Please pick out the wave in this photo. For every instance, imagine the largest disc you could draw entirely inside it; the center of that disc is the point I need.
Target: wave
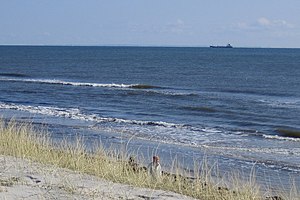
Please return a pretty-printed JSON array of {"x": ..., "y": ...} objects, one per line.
[
  {"x": 281, "y": 103},
  {"x": 277, "y": 137},
  {"x": 199, "y": 108},
  {"x": 75, "y": 113},
  {"x": 13, "y": 75},
  {"x": 141, "y": 87},
  {"x": 170, "y": 93},
  {"x": 253, "y": 92},
  {"x": 289, "y": 133},
  {"x": 60, "y": 82},
  {"x": 161, "y": 131}
]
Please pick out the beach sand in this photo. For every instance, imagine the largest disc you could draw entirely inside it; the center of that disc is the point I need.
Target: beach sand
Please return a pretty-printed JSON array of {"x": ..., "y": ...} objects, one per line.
[{"x": 24, "y": 179}]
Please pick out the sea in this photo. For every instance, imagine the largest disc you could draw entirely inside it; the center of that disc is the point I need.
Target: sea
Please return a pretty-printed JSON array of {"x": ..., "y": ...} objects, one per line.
[{"x": 239, "y": 108}]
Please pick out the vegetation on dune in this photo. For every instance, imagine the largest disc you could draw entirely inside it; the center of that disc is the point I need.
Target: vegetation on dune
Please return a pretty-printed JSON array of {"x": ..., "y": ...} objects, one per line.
[{"x": 21, "y": 140}]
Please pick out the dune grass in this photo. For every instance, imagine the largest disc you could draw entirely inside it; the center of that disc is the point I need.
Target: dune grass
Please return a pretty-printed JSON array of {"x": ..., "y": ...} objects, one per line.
[{"x": 21, "y": 140}]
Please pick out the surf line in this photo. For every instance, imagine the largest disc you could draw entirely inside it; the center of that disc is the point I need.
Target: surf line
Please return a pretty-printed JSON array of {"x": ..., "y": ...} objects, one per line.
[
  {"x": 75, "y": 113},
  {"x": 60, "y": 82}
]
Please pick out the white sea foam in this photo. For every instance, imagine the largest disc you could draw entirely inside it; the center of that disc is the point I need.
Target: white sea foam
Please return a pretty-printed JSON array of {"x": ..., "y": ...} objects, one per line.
[
  {"x": 172, "y": 93},
  {"x": 281, "y": 103},
  {"x": 281, "y": 138},
  {"x": 211, "y": 130},
  {"x": 146, "y": 88},
  {"x": 75, "y": 113},
  {"x": 154, "y": 130},
  {"x": 60, "y": 82}
]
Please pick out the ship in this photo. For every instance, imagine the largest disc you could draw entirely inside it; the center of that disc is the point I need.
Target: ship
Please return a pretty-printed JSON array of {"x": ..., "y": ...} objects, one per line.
[{"x": 227, "y": 46}]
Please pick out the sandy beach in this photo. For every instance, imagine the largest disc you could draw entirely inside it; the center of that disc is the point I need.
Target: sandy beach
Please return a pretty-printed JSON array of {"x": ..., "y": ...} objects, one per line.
[{"x": 24, "y": 179}]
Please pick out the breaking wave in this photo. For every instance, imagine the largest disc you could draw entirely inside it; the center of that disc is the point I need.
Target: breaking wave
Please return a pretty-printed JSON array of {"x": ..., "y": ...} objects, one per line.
[
  {"x": 75, "y": 113},
  {"x": 60, "y": 82},
  {"x": 148, "y": 89},
  {"x": 155, "y": 130},
  {"x": 293, "y": 133},
  {"x": 277, "y": 137},
  {"x": 13, "y": 75}
]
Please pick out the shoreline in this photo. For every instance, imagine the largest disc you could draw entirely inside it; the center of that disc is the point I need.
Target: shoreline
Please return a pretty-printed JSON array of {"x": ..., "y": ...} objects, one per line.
[
  {"x": 19, "y": 140},
  {"x": 270, "y": 179}
]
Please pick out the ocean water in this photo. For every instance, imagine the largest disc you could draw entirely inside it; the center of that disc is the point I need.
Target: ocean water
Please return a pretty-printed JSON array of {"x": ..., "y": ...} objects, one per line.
[{"x": 239, "y": 106}]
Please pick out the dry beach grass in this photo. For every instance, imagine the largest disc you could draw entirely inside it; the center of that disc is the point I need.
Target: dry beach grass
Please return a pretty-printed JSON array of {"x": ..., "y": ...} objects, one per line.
[{"x": 33, "y": 149}]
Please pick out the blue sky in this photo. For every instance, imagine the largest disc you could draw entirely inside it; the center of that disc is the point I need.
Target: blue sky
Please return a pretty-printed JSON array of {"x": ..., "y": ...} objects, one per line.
[{"x": 243, "y": 23}]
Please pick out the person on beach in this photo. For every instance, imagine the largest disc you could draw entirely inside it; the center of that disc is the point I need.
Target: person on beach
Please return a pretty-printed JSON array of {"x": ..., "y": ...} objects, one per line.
[
  {"x": 154, "y": 168},
  {"x": 133, "y": 164}
]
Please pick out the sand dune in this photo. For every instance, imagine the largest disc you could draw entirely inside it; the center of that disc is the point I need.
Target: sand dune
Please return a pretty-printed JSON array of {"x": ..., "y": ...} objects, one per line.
[{"x": 24, "y": 179}]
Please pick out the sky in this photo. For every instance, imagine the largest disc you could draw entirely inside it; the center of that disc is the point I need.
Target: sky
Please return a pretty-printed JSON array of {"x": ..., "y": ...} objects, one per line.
[{"x": 242, "y": 23}]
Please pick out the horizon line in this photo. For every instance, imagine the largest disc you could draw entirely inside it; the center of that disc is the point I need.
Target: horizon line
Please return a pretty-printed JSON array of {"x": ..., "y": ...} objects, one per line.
[{"x": 131, "y": 45}]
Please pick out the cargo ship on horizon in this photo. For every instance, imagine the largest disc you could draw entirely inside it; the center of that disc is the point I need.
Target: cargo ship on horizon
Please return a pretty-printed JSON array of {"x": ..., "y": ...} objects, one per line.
[{"x": 227, "y": 46}]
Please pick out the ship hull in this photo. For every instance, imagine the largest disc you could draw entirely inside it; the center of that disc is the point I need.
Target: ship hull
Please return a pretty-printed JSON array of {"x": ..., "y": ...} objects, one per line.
[{"x": 227, "y": 47}]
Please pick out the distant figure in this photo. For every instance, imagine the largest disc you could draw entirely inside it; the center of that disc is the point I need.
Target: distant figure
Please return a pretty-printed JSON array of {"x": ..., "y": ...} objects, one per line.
[
  {"x": 154, "y": 168},
  {"x": 133, "y": 164}
]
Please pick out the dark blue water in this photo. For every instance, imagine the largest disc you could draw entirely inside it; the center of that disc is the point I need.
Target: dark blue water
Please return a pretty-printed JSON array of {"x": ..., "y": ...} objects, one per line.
[{"x": 235, "y": 103}]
